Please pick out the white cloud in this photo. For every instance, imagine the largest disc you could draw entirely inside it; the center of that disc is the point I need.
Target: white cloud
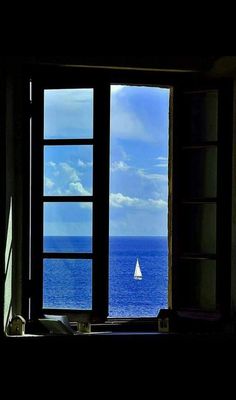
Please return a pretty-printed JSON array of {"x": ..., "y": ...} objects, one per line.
[
  {"x": 158, "y": 203},
  {"x": 70, "y": 171},
  {"x": 68, "y": 112},
  {"x": 81, "y": 163},
  {"x": 161, "y": 165},
  {"x": 136, "y": 116},
  {"x": 152, "y": 177},
  {"x": 118, "y": 200},
  {"x": 77, "y": 188},
  {"x": 84, "y": 164},
  {"x": 49, "y": 183},
  {"x": 51, "y": 164},
  {"x": 162, "y": 158},
  {"x": 116, "y": 88},
  {"x": 124, "y": 154},
  {"x": 119, "y": 166},
  {"x": 68, "y": 98},
  {"x": 67, "y": 180},
  {"x": 125, "y": 123}
]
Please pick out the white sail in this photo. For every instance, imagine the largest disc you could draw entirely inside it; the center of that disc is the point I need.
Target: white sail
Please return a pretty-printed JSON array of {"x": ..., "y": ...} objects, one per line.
[{"x": 137, "y": 272}]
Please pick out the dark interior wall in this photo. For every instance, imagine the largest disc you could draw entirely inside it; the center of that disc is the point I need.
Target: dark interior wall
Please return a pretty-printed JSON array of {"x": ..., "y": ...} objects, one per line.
[
  {"x": 2, "y": 186},
  {"x": 10, "y": 300},
  {"x": 233, "y": 255},
  {"x": 176, "y": 63},
  {"x": 9, "y": 191},
  {"x": 14, "y": 149}
]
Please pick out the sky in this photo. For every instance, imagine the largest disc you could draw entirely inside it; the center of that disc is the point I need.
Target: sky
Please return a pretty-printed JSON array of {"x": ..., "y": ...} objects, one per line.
[{"x": 138, "y": 161}]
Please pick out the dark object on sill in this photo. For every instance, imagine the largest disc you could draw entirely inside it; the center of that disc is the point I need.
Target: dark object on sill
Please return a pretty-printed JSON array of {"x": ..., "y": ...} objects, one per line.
[
  {"x": 189, "y": 321},
  {"x": 126, "y": 325},
  {"x": 57, "y": 325},
  {"x": 195, "y": 320},
  {"x": 165, "y": 320},
  {"x": 35, "y": 327}
]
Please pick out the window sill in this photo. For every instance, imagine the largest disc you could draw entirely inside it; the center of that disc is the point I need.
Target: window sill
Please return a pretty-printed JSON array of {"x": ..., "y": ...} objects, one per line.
[
  {"x": 151, "y": 337},
  {"x": 188, "y": 325}
]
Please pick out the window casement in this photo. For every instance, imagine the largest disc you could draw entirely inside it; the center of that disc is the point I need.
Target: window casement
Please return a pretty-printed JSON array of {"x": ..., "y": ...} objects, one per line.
[
  {"x": 201, "y": 234},
  {"x": 92, "y": 257},
  {"x": 199, "y": 191}
]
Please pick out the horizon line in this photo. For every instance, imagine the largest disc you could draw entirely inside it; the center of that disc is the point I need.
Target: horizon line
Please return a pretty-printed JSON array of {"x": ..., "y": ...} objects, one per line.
[{"x": 109, "y": 236}]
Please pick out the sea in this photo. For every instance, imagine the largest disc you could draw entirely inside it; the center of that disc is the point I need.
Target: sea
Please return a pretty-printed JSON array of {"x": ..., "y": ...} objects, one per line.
[{"x": 67, "y": 284}]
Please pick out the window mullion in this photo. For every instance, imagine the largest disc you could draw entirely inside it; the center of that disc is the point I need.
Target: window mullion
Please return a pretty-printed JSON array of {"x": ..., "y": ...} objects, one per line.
[
  {"x": 66, "y": 142},
  {"x": 101, "y": 200},
  {"x": 67, "y": 199},
  {"x": 63, "y": 255}
]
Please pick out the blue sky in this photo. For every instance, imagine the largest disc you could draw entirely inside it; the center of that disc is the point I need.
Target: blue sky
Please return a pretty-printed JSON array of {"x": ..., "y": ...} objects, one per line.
[{"x": 138, "y": 161}]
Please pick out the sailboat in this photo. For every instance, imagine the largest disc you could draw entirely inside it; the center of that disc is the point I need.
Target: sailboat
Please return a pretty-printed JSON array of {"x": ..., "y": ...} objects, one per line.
[{"x": 138, "y": 273}]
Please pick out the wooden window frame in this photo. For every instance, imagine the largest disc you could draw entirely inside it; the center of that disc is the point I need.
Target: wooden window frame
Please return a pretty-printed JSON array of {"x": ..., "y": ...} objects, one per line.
[
  {"x": 222, "y": 201},
  {"x": 100, "y": 154},
  {"x": 101, "y": 80}
]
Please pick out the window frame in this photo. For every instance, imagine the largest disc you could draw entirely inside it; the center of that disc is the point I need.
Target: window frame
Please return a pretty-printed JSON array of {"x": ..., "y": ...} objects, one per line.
[{"x": 102, "y": 79}]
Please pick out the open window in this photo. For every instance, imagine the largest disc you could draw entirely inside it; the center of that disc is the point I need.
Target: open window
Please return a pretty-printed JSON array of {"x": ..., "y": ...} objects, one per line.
[{"x": 71, "y": 189}]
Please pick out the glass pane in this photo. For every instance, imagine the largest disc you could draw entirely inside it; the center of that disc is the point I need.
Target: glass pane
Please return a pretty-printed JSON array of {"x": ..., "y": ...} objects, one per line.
[
  {"x": 199, "y": 171},
  {"x": 201, "y": 116},
  {"x": 138, "y": 259},
  {"x": 68, "y": 170},
  {"x": 68, "y": 113},
  {"x": 197, "y": 284},
  {"x": 67, "y": 284},
  {"x": 199, "y": 228},
  {"x": 68, "y": 227}
]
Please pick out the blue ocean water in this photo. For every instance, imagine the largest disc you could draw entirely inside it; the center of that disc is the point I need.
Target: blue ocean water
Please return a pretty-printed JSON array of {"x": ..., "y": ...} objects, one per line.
[{"x": 68, "y": 283}]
